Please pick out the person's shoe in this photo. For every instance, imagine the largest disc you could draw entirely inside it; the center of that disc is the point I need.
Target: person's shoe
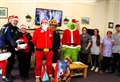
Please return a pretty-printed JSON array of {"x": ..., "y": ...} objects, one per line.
[
  {"x": 92, "y": 69},
  {"x": 97, "y": 69},
  {"x": 107, "y": 71},
  {"x": 101, "y": 71},
  {"x": 12, "y": 77},
  {"x": 6, "y": 79}
]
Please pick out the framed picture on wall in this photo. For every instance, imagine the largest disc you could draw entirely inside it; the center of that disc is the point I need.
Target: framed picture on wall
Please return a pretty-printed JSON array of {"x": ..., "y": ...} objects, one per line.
[
  {"x": 85, "y": 20},
  {"x": 110, "y": 24},
  {"x": 3, "y": 12}
]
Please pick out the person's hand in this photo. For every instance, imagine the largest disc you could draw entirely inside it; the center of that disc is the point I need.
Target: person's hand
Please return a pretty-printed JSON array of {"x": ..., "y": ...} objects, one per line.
[
  {"x": 101, "y": 51},
  {"x": 86, "y": 48},
  {"x": 78, "y": 49},
  {"x": 17, "y": 48},
  {"x": 119, "y": 52},
  {"x": 0, "y": 51},
  {"x": 64, "y": 47},
  {"x": 33, "y": 53},
  {"x": 58, "y": 50}
]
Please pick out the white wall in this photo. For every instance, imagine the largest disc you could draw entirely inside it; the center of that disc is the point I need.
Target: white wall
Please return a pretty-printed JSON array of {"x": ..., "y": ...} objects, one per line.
[
  {"x": 99, "y": 12},
  {"x": 71, "y": 10}
]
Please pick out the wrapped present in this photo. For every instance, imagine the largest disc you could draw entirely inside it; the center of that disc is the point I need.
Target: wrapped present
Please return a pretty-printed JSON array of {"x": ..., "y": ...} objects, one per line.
[{"x": 63, "y": 71}]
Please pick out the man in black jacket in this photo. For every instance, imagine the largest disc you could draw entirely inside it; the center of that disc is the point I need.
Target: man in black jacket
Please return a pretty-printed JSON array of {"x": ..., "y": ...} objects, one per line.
[
  {"x": 11, "y": 35},
  {"x": 56, "y": 40}
]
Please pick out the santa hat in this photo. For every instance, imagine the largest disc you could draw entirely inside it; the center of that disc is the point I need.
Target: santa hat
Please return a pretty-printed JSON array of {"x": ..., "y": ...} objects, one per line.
[
  {"x": 43, "y": 21},
  {"x": 14, "y": 18},
  {"x": 74, "y": 21}
]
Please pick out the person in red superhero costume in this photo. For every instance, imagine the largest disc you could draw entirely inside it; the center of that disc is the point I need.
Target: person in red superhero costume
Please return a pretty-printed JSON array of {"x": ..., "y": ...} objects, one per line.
[{"x": 42, "y": 40}]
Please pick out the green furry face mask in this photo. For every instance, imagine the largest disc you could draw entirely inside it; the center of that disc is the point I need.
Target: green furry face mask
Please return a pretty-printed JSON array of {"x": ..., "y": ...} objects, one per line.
[{"x": 71, "y": 26}]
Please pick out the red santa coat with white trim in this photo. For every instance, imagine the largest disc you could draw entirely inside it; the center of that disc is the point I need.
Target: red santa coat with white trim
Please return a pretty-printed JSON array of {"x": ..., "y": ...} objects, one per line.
[
  {"x": 66, "y": 39},
  {"x": 43, "y": 39}
]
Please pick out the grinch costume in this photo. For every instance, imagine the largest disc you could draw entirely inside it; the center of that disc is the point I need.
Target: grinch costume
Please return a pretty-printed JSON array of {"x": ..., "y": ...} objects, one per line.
[{"x": 71, "y": 42}]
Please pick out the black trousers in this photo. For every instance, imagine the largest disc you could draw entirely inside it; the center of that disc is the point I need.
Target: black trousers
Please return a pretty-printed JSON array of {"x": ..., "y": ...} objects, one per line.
[
  {"x": 106, "y": 64},
  {"x": 116, "y": 62},
  {"x": 95, "y": 60},
  {"x": 84, "y": 58},
  {"x": 24, "y": 59},
  {"x": 10, "y": 65},
  {"x": 55, "y": 56}
]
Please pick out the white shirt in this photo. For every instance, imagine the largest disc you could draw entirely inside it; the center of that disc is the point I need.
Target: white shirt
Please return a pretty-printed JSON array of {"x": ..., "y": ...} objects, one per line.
[
  {"x": 116, "y": 46},
  {"x": 71, "y": 36},
  {"x": 95, "y": 49}
]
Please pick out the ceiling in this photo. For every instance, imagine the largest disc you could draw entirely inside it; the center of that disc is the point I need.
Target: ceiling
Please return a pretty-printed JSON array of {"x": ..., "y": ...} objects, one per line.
[
  {"x": 52, "y": 1},
  {"x": 73, "y": 1}
]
